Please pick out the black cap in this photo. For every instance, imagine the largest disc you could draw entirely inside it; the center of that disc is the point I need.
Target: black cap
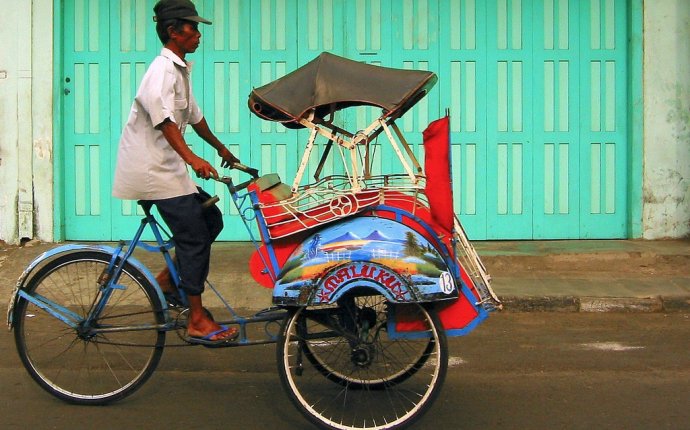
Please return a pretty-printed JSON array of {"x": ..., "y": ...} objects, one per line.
[{"x": 182, "y": 9}]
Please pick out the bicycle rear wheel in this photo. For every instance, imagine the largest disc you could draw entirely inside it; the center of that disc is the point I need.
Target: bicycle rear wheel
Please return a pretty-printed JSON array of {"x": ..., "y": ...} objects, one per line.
[
  {"x": 94, "y": 363},
  {"x": 374, "y": 378}
]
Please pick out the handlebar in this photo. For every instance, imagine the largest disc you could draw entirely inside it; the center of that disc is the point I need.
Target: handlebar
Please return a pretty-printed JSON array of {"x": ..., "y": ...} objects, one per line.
[
  {"x": 227, "y": 181},
  {"x": 246, "y": 169}
]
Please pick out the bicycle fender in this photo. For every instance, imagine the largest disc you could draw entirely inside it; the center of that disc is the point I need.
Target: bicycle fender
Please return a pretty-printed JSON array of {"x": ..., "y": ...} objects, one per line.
[
  {"x": 67, "y": 249},
  {"x": 376, "y": 253}
]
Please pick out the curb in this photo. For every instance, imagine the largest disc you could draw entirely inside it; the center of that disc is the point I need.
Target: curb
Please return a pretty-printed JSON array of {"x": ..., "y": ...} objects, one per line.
[
  {"x": 676, "y": 304},
  {"x": 621, "y": 304},
  {"x": 596, "y": 304},
  {"x": 540, "y": 303}
]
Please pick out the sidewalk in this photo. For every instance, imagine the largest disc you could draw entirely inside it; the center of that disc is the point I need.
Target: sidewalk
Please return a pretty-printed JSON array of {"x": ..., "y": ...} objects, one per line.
[
  {"x": 562, "y": 276},
  {"x": 591, "y": 275}
]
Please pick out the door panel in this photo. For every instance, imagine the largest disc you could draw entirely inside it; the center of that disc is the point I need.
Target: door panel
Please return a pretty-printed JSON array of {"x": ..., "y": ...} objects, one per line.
[
  {"x": 557, "y": 133},
  {"x": 603, "y": 152},
  {"x": 509, "y": 120},
  {"x": 86, "y": 122}
]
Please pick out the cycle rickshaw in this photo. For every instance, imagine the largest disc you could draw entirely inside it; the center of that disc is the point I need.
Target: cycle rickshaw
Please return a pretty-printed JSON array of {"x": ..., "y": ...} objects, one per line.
[{"x": 371, "y": 272}]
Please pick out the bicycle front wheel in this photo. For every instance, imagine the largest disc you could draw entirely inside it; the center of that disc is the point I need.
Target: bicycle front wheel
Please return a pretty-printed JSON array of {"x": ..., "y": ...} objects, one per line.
[
  {"x": 345, "y": 373},
  {"x": 98, "y": 361}
]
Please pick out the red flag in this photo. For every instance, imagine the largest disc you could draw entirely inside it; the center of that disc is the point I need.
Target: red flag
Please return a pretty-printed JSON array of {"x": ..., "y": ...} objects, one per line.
[{"x": 439, "y": 190}]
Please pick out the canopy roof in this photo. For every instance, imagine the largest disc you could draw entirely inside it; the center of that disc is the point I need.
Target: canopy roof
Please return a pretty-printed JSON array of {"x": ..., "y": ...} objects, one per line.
[{"x": 330, "y": 83}]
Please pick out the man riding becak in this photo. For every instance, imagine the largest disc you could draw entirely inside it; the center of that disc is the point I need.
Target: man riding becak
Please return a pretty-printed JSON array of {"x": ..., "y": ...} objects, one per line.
[{"x": 153, "y": 156}]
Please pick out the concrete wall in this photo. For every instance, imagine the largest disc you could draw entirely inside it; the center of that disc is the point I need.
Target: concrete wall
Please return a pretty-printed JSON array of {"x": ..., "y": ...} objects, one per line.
[
  {"x": 26, "y": 115},
  {"x": 666, "y": 206}
]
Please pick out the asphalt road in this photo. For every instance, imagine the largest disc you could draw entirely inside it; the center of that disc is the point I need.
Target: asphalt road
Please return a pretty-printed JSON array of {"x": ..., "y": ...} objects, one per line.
[{"x": 516, "y": 371}]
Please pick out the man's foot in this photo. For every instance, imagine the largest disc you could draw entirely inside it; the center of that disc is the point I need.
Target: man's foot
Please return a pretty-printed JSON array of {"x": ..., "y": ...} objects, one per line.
[
  {"x": 218, "y": 338},
  {"x": 206, "y": 327},
  {"x": 203, "y": 330}
]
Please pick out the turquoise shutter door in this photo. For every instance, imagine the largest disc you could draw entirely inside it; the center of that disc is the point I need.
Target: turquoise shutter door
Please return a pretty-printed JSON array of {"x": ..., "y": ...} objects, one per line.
[
  {"x": 86, "y": 126},
  {"x": 581, "y": 143},
  {"x": 537, "y": 91}
]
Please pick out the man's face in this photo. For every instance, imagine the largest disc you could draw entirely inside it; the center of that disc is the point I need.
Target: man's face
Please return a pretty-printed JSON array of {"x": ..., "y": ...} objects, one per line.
[{"x": 188, "y": 39}]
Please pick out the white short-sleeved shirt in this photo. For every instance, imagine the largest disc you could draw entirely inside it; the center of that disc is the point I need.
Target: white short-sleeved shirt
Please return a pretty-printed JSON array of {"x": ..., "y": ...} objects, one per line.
[{"x": 148, "y": 168}]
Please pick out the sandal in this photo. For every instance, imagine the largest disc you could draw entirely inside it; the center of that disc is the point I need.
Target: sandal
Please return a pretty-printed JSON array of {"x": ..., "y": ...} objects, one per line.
[{"x": 207, "y": 342}]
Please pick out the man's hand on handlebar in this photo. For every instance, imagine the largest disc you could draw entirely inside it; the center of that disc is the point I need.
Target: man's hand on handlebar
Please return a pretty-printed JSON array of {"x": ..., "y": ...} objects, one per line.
[
  {"x": 203, "y": 168},
  {"x": 228, "y": 159}
]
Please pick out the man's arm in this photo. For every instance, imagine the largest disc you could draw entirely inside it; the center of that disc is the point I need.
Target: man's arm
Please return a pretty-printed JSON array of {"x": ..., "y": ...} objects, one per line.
[
  {"x": 172, "y": 134},
  {"x": 202, "y": 129}
]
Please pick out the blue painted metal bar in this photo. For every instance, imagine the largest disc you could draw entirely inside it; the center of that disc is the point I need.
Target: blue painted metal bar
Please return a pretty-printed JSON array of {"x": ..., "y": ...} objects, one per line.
[{"x": 63, "y": 314}]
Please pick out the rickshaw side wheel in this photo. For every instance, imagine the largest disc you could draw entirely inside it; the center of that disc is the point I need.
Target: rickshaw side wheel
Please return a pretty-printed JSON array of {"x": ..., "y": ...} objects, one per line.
[
  {"x": 372, "y": 310},
  {"x": 383, "y": 378}
]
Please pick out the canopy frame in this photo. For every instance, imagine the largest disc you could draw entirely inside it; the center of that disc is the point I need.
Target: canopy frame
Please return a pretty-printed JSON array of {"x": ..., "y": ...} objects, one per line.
[{"x": 355, "y": 168}]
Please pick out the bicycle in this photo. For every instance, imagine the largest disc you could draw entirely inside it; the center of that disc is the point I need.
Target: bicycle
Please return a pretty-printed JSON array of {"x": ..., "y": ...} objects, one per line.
[{"x": 367, "y": 287}]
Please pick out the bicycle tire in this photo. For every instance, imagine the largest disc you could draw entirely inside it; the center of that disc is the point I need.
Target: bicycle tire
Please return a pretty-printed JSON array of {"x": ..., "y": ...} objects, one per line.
[
  {"x": 396, "y": 370},
  {"x": 356, "y": 402},
  {"x": 96, "y": 368}
]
